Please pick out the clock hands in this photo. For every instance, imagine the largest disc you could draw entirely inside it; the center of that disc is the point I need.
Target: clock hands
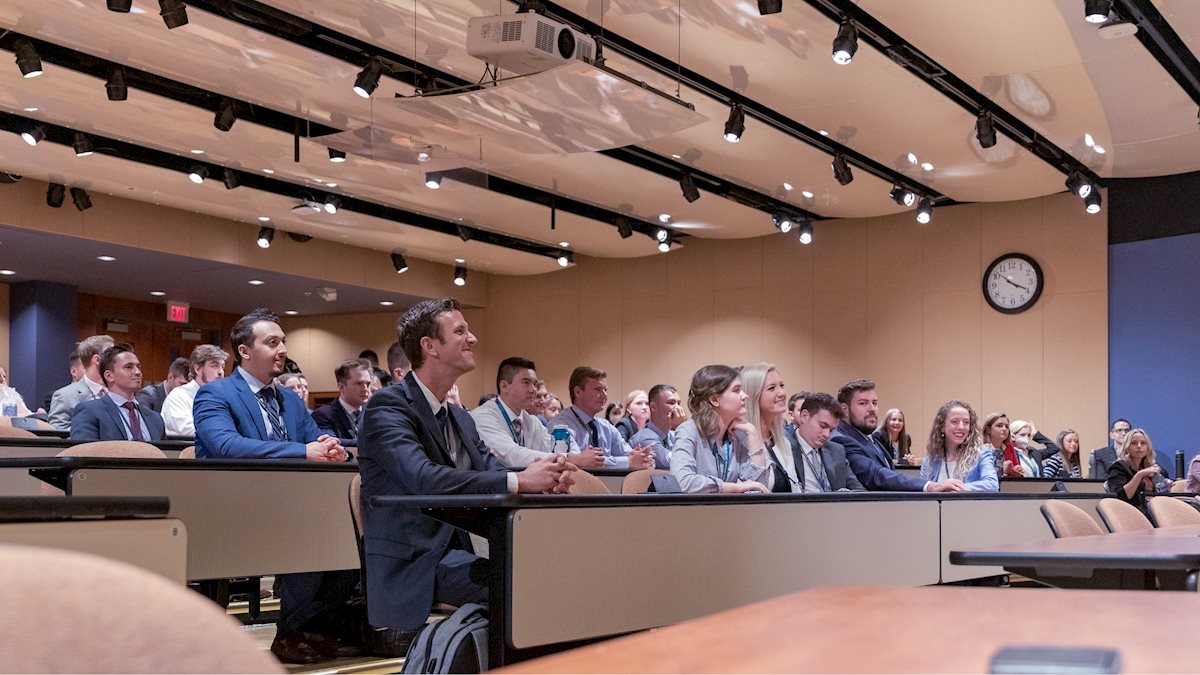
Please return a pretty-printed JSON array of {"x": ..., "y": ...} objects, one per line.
[{"x": 1016, "y": 284}]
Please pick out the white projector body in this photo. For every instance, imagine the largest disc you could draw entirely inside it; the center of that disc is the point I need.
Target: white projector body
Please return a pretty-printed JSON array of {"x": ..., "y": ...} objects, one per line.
[{"x": 526, "y": 43}]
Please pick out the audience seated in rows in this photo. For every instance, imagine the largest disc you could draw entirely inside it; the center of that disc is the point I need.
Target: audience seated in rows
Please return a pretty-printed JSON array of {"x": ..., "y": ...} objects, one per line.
[
  {"x": 1065, "y": 463},
  {"x": 955, "y": 452},
  {"x": 1103, "y": 458},
  {"x": 666, "y": 414},
  {"x": 89, "y": 386},
  {"x": 340, "y": 416},
  {"x": 152, "y": 396},
  {"x": 207, "y": 363},
  {"x": 893, "y": 435},
  {"x": 1136, "y": 472},
  {"x": 297, "y": 382},
  {"x": 116, "y": 415},
  {"x": 819, "y": 464},
  {"x": 589, "y": 393},
  {"x": 637, "y": 411}
]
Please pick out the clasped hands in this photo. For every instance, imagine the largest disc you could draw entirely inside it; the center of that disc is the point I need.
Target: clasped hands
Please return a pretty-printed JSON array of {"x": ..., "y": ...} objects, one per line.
[{"x": 325, "y": 449}]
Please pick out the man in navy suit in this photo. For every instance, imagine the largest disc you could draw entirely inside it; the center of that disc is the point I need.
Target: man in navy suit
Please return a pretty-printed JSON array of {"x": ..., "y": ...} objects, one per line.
[
  {"x": 116, "y": 415},
  {"x": 340, "y": 417},
  {"x": 246, "y": 416},
  {"x": 414, "y": 442},
  {"x": 871, "y": 463}
]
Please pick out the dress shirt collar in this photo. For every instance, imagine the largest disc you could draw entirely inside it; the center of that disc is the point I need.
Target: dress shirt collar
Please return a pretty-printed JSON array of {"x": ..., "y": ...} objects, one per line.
[
  {"x": 255, "y": 385},
  {"x": 509, "y": 411},
  {"x": 119, "y": 399},
  {"x": 804, "y": 446},
  {"x": 662, "y": 435},
  {"x": 191, "y": 385},
  {"x": 434, "y": 404},
  {"x": 581, "y": 416},
  {"x": 92, "y": 386},
  {"x": 350, "y": 410}
]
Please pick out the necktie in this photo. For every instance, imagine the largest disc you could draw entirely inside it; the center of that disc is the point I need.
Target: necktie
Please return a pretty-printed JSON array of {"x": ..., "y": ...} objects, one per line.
[
  {"x": 593, "y": 433},
  {"x": 443, "y": 424},
  {"x": 354, "y": 416},
  {"x": 818, "y": 471},
  {"x": 517, "y": 435},
  {"x": 670, "y": 439},
  {"x": 135, "y": 426},
  {"x": 101, "y": 393},
  {"x": 270, "y": 404}
]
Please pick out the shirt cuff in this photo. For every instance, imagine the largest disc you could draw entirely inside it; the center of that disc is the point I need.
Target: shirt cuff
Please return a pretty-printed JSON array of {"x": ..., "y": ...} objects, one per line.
[
  {"x": 925, "y": 488},
  {"x": 513, "y": 484}
]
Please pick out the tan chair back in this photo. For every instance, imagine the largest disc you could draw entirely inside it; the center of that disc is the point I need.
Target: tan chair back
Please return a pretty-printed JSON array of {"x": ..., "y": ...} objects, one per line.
[
  {"x": 587, "y": 484},
  {"x": 638, "y": 481},
  {"x": 356, "y": 510},
  {"x": 1171, "y": 511},
  {"x": 85, "y": 626},
  {"x": 1067, "y": 520},
  {"x": 188, "y": 453},
  {"x": 14, "y": 432},
  {"x": 116, "y": 449},
  {"x": 1119, "y": 516}
]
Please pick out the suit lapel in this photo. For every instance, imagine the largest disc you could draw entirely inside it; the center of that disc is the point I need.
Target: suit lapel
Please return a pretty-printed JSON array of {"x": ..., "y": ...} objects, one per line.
[
  {"x": 798, "y": 460},
  {"x": 250, "y": 403},
  {"x": 344, "y": 420},
  {"x": 115, "y": 413},
  {"x": 830, "y": 471},
  {"x": 416, "y": 398}
]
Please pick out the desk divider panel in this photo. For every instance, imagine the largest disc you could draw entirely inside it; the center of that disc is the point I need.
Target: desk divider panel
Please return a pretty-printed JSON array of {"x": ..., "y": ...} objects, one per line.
[
  {"x": 584, "y": 572},
  {"x": 159, "y": 545},
  {"x": 18, "y": 482},
  {"x": 245, "y": 523},
  {"x": 1045, "y": 485},
  {"x": 975, "y": 523}
]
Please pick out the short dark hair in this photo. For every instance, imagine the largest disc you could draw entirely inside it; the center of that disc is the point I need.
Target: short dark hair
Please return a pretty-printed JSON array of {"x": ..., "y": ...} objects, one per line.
[
  {"x": 486, "y": 397},
  {"x": 345, "y": 368},
  {"x": 509, "y": 367},
  {"x": 202, "y": 354},
  {"x": 92, "y": 346},
  {"x": 818, "y": 401},
  {"x": 848, "y": 390},
  {"x": 420, "y": 321},
  {"x": 370, "y": 355},
  {"x": 110, "y": 356},
  {"x": 658, "y": 389},
  {"x": 798, "y": 396},
  {"x": 580, "y": 376},
  {"x": 396, "y": 358},
  {"x": 1119, "y": 419},
  {"x": 74, "y": 358},
  {"x": 243, "y": 330},
  {"x": 180, "y": 367}
]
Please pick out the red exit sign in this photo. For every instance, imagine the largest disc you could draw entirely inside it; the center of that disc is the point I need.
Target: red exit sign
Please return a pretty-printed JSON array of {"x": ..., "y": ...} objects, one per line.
[{"x": 177, "y": 312}]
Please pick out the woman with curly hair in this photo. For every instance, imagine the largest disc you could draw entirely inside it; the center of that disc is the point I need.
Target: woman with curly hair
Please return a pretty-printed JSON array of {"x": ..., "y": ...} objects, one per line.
[{"x": 954, "y": 451}]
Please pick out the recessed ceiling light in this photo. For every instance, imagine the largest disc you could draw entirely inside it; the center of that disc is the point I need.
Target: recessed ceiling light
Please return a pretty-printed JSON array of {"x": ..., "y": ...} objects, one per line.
[
  {"x": 386, "y": 303},
  {"x": 788, "y": 187},
  {"x": 422, "y": 156},
  {"x": 459, "y": 261},
  {"x": 105, "y": 258},
  {"x": 256, "y": 282},
  {"x": 7, "y": 273},
  {"x": 564, "y": 244},
  {"x": 290, "y": 312},
  {"x": 197, "y": 152},
  {"x": 664, "y": 217},
  {"x": 806, "y": 194},
  {"x": 30, "y": 109},
  {"x": 331, "y": 185},
  {"x": 264, "y": 219},
  {"x": 319, "y": 181},
  {"x": 1099, "y": 149},
  {"x": 822, "y": 132},
  {"x": 268, "y": 171},
  {"x": 157, "y": 294},
  {"x": 912, "y": 159},
  {"x": 1088, "y": 140},
  {"x": 926, "y": 166}
]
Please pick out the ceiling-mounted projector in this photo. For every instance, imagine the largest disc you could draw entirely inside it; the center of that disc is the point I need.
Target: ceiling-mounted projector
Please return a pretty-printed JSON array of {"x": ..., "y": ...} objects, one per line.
[{"x": 526, "y": 42}]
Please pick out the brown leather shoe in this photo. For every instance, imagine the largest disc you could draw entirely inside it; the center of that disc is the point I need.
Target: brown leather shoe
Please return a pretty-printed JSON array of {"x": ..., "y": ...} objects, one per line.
[
  {"x": 388, "y": 642},
  {"x": 293, "y": 649},
  {"x": 330, "y": 646}
]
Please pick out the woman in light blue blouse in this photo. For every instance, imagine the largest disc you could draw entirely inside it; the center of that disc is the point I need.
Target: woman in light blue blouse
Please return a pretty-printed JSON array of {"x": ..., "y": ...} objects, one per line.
[
  {"x": 717, "y": 450},
  {"x": 954, "y": 451}
]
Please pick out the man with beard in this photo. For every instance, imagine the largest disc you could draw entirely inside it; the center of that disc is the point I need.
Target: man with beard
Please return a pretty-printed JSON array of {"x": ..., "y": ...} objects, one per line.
[{"x": 871, "y": 463}]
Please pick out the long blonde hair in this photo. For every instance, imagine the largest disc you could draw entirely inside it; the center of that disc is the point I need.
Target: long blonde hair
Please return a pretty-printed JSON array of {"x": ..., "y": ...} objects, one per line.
[
  {"x": 1123, "y": 453},
  {"x": 969, "y": 452},
  {"x": 754, "y": 381}
]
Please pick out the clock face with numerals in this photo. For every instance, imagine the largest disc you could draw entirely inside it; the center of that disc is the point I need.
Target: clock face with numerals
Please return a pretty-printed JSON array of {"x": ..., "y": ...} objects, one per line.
[{"x": 1012, "y": 283}]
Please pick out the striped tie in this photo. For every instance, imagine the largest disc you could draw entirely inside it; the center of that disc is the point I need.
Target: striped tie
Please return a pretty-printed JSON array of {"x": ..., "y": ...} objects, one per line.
[{"x": 270, "y": 404}]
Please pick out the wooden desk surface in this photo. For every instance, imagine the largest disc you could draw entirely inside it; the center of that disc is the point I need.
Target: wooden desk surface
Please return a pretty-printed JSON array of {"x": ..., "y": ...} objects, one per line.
[
  {"x": 880, "y": 629},
  {"x": 1162, "y": 549}
]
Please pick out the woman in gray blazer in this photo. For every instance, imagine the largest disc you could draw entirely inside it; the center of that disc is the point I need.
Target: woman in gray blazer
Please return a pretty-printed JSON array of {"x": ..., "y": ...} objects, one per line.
[{"x": 717, "y": 450}]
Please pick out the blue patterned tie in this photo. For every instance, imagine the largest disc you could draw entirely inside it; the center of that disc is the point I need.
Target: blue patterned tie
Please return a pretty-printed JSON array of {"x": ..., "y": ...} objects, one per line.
[{"x": 269, "y": 403}]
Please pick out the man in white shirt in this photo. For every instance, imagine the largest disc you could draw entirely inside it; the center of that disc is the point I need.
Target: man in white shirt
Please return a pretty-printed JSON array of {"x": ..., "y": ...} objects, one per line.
[
  {"x": 87, "y": 388},
  {"x": 515, "y": 436},
  {"x": 208, "y": 365},
  {"x": 818, "y": 464}
]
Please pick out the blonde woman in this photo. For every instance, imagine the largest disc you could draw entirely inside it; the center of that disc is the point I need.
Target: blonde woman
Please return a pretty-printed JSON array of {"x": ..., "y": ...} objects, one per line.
[
  {"x": 637, "y": 412},
  {"x": 955, "y": 453},
  {"x": 766, "y": 409},
  {"x": 893, "y": 435},
  {"x": 717, "y": 450},
  {"x": 1136, "y": 470}
]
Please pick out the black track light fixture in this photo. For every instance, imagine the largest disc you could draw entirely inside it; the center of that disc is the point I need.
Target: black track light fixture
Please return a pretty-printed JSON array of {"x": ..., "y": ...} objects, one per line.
[
  {"x": 27, "y": 58},
  {"x": 688, "y": 186},
  {"x": 624, "y": 227},
  {"x": 565, "y": 258},
  {"x": 34, "y": 134},
  {"x": 662, "y": 234},
  {"x": 399, "y": 263},
  {"x": 735, "y": 126},
  {"x": 230, "y": 178},
  {"x": 783, "y": 221},
  {"x": 985, "y": 130},
  {"x": 845, "y": 44},
  {"x": 265, "y": 235},
  {"x": 122, "y": 6},
  {"x": 841, "y": 169},
  {"x": 336, "y": 156},
  {"x": 8, "y": 178},
  {"x": 464, "y": 233},
  {"x": 925, "y": 211},
  {"x": 226, "y": 115},
  {"x": 368, "y": 78},
  {"x": 55, "y": 194},
  {"x": 460, "y": 276},
  {"x": 1078, "y": 185},
  {"x": 766, "y": 7},
  {"x": 1092, "y": 201},
  {"x": 332, "y": 204},
  {"x": 80, "y": 196},
  {"x": 173, "y": 13},
  {"x": 1096, "y": 11},
  {"x": 806, "y": 232},
  {"x": 433, "y": 180},
  {"x": 664, "y": 246},
  {"x": 197, "y": 173},
  {"x": 115, "y": 86},
  {"x": 903, "y": 196},
  {"x": 82, "y": 144}
]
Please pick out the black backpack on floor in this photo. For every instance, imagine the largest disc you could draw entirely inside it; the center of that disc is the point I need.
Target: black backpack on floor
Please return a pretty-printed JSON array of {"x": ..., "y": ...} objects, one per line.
[{"x": 456, "y": 644}]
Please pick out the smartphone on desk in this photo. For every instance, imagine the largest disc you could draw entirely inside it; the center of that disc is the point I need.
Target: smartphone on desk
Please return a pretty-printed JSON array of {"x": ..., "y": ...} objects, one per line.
[{"x": 1051, "y": 659}]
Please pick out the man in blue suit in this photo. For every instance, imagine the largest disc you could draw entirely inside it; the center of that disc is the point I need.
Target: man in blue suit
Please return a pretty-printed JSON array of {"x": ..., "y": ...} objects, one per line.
[
  {"x": 116, "y": 415},
  {"x": 246, "y": 416},
  {"x": 871, "y": 463},
  {"x": 414, "y": 442}
]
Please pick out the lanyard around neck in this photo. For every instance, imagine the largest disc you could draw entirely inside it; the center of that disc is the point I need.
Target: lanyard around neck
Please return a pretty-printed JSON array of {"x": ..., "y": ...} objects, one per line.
[
  {"x": 511, "y": 429},
  {"x": 723, "y": 459}
]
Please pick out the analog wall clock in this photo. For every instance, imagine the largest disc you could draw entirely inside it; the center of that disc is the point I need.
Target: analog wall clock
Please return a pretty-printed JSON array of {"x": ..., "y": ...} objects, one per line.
[{"x": 1012, "y": 283}]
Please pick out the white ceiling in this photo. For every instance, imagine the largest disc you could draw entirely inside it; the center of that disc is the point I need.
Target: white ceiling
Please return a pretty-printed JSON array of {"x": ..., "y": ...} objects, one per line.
[{"x": 1037, "y": 59}]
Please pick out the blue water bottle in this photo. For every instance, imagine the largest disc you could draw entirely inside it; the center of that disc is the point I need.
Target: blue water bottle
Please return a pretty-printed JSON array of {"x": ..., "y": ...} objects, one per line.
[{"x": 562, "y": 438}]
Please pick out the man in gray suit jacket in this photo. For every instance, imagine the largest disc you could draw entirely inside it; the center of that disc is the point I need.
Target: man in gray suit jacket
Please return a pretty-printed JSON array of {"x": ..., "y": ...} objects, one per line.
[
  {"x": 821, "y": 465},
  {"x": 89, "y": 387}
]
